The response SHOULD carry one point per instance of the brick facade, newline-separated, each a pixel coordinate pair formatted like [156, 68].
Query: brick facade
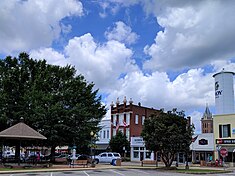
[207, 121]
[132, 115]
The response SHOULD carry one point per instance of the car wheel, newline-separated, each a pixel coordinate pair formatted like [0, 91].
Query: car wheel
[96, 161]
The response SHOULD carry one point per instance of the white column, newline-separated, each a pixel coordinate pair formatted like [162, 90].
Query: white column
[152, 156]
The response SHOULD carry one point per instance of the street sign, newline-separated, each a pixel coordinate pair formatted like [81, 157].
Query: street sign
[223, 152]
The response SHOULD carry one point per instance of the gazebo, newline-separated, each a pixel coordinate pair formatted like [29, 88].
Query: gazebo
[20, 132]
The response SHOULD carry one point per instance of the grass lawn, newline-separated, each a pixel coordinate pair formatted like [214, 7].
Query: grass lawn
[200, 171]
[13, 169]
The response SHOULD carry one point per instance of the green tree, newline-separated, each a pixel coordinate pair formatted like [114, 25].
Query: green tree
[167, 134]
[52, 99]
[118, 142]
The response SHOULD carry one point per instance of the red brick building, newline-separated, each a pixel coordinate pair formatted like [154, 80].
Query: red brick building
[129, 118]
[207, 121]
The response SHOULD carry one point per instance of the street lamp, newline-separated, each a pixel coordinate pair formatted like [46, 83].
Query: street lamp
[93, 136]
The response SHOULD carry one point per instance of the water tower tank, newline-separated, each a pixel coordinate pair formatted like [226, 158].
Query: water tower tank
[224, 93]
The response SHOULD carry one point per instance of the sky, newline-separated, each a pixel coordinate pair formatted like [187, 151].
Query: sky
[161, 53]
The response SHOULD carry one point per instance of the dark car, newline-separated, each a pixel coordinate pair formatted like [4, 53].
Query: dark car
[48, 157]
[85, 157]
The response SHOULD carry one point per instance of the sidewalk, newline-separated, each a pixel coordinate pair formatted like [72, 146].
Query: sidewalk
[63, 167]
[127, 165]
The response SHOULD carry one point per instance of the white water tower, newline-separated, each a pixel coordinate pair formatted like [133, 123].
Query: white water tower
[224, 93]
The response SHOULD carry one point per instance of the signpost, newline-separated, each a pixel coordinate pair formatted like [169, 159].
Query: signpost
[223, 152]
[232, 156]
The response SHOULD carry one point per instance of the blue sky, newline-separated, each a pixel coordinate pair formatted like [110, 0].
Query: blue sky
[161, 53]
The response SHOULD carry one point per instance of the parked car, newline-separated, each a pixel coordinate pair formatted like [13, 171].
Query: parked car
[107, 157]
[11, 158]
[6, 154]
[63, 158]
[85, 157]
[34, 155]
[48, 157]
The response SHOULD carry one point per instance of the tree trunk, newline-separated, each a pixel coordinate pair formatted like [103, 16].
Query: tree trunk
[53, 153]
[186, 165]
[168, 159]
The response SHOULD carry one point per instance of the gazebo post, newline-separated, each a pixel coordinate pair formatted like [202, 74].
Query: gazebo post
[18, 157]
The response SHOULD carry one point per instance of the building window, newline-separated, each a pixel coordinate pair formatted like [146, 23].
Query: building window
[128, 133]
[121, 119]
[114, 132]
[104, 134]
[114, 120]
[224, 131]
[136, 154]
[148, 155]
[100, 134]
[127, 119]
[143, 118]
[107, 134]
[136, 119]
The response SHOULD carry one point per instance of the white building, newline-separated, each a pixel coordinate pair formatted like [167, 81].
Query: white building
[202, 147]
[104, 135]
[138, 150]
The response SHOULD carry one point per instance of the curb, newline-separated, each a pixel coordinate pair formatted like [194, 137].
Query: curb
[74, 169]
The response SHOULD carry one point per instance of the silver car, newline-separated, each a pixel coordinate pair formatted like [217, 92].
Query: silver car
[107, 157]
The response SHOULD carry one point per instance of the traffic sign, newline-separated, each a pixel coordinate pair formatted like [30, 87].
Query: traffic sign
[223, 152]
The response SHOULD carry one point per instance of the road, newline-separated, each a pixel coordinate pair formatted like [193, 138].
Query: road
[108, 172]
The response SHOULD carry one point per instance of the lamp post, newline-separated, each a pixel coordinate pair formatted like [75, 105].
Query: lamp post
[91, 133]
[93, 136]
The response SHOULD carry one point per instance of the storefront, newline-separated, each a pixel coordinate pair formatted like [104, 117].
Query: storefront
[229, 146]
[224, 135]
[138, 150]
[202, 148]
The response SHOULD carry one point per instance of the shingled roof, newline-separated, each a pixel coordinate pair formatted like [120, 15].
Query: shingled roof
[21, 131]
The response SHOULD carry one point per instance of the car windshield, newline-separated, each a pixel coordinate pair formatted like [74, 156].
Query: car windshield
[116, 154]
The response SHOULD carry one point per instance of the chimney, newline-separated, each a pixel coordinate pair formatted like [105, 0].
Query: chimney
[117, 102]
[130, 102]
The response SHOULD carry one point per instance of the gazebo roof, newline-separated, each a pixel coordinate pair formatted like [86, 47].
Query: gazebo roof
[21, 131]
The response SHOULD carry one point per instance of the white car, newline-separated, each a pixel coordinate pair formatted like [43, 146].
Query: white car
[107, 157]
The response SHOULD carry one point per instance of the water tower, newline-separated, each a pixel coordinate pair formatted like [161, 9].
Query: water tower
[224, 93]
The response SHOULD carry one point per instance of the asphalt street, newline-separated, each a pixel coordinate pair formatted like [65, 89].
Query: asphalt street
[108, 172]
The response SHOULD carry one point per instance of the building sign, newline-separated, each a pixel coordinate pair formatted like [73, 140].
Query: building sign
[225, 141]
[203, 142]
[137, 141]
[217, 91]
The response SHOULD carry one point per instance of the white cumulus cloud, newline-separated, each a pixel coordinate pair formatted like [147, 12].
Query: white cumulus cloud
[122, 33]
[102, 64]
[188, 91]
[50, 55]
[195, 33]
[34, 23]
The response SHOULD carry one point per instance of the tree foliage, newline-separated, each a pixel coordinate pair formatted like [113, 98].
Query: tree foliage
[52, 99]
[167, 133]
[118, 142]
